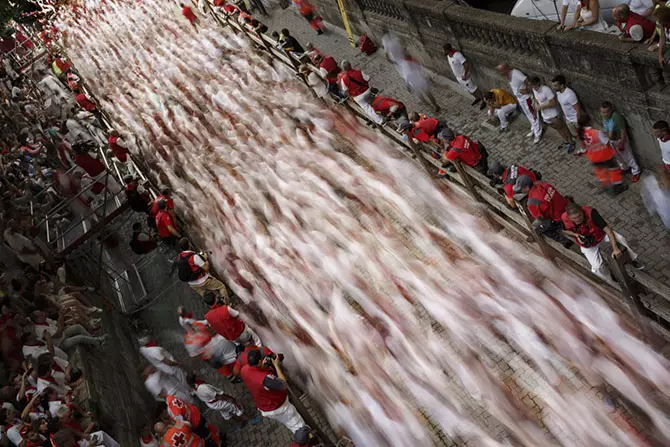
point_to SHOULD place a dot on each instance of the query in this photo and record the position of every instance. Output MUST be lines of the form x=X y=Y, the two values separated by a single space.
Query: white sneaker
x=537 y=139
x=529 y=134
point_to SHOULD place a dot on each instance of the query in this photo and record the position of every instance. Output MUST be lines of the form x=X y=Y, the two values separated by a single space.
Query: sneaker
x=482 y=106
x=579 y=152
x=503 y=129
x=476 y=101
x=563 y=144
x=319 y=32
x=638 y=265
x=441 y=173
x=537 y=139
x=529 y=134
x=570 y=148
x=635 y=178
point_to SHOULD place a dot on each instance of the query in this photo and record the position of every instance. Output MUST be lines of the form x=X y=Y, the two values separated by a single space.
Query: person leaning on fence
x=355 y=83
x=505 y=178
x=546 y=205
x=427 y=129
x=330 y=71
x=194 y=268
x=591 y=231
x=501 y=105
x=390 y=109
x=289 y=43
x=463 y=149
x=602 y=156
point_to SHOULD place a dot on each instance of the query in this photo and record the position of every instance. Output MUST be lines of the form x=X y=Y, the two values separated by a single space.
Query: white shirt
x=317 y=84
x=568 y=99
x=393 y=47
x=197 y=260
x=51 y=327
x=155 y=355
x=665 y=150
x=457 y=62
x=639 y=6
x=207 y=393
x=517 y=80
x=544 y=96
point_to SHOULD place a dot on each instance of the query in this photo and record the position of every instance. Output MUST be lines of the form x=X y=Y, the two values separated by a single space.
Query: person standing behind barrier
x=390 y=109
x=546 y=103
x=289 y=43
x=567 y=98
x=461 y=69
x=194 y=268
x=269 y=389
x=226 y=322
x=166 y=224
x=602 y=156
x=507 y=176
x=590 y=231
x=614 y=124
x=355 y=83
x=518 y=81
x=501 y=104
x=546 y=205
x=330 y=71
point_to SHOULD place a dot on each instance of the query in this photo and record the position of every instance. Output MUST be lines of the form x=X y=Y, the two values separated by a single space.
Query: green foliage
x=13 y=10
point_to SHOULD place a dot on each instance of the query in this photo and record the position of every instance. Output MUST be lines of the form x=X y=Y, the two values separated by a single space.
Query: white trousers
x=287 y=415
x=364 y=100
x=626 y=159
x=595 y=258
x=503 y=114
x=531 y=115
x=249 y=337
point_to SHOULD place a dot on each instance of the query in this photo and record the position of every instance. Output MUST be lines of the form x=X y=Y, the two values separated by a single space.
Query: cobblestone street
x=573 y=176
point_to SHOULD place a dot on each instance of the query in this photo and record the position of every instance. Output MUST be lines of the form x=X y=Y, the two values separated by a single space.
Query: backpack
x=366 y=45
x=184 y=271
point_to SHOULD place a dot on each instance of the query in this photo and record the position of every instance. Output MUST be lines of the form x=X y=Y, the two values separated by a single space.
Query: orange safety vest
x=181 y=435
x=596 y=151
x=196 y=339
x=178 y=408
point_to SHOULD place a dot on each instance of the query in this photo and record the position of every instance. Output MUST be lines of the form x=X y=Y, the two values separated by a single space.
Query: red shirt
x=545 y=202
x=355 y=83
x=511 y=174
x=383 y=104
x=92 y=166
x=153 y=211
x=84 y=102
x=464 y=149
x=189 y=14
x=223 y=323
x=163 y=221
x=120 y=152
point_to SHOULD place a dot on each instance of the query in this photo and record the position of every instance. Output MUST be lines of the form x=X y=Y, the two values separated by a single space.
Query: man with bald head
x=522 y=91
x=633 y=26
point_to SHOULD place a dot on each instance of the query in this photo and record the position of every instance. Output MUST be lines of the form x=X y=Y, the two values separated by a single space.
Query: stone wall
x=598 y=67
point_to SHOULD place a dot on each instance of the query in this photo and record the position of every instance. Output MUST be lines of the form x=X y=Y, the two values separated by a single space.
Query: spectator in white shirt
x=163 y=361
x=159 y=383
x=567 y=98
x=217 y=400
x=661 y=131
x=518 y=81
x=461 y=68
x=64 y=337
x=24 y=249
x=642 y=7
x=546 y=103
x=587 y=16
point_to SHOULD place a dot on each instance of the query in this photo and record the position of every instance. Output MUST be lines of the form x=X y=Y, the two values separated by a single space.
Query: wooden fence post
x=539 y=239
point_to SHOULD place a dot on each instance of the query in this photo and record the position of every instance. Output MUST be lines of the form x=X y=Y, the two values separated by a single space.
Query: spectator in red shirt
x=505 y=178
x=84 y=101
x=546 y=205
x=226 y=322
x=165 y=195
x=469 y=153
x=166 y=225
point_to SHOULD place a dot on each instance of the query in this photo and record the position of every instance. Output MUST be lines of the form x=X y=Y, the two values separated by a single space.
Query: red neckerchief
x=151 y=344
x=147 y=438
x=56 y=367
x=49 y=379
x=452 y=52
x=665 y=138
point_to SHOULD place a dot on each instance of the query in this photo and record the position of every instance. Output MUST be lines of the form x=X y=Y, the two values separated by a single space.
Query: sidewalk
x=571 y=175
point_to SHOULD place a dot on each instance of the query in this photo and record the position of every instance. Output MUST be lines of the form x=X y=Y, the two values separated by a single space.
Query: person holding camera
x=226 y=321
x=268 y=386
x=193 y=268
x=590 y=231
